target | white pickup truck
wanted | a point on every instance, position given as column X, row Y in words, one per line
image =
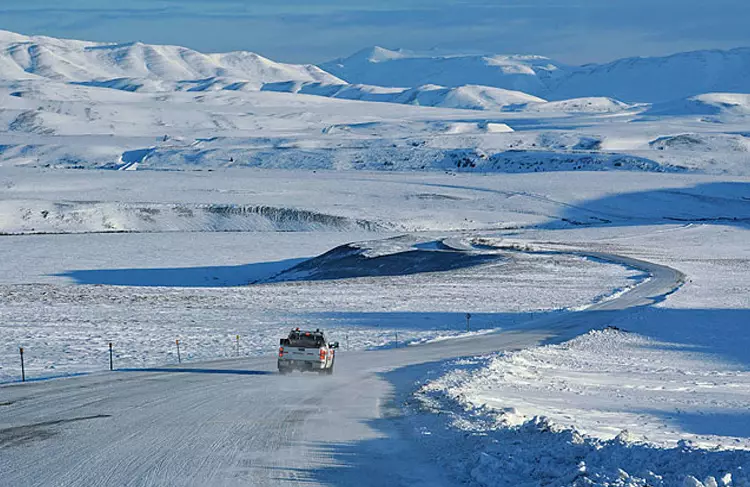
column 306, row 351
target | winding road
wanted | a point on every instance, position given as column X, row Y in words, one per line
column 237, row 422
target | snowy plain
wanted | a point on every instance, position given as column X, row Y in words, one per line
column 151, row 193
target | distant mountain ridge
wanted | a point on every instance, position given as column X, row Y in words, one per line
column 647, row 79
column 478, row 82
column 132, row 65
column 383, row 67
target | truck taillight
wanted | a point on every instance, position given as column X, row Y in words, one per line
column 322, row 354
column 281, row 351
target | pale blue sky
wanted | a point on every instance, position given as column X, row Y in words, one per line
column 573, row 31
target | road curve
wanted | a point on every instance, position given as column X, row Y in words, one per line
column 237, row 422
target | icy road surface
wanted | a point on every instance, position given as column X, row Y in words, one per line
column 237, row 422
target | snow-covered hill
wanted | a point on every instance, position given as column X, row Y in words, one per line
column 134, row 66
column 471, row 97
column 73, row 104
column 657, row 79
column 709, row 104
column 383, row 67
column 580, row 105
column 479, row 82
column 653, row 79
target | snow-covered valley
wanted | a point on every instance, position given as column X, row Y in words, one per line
column 153, row 193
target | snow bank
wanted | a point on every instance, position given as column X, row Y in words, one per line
column 608, row 381
column 604, row 409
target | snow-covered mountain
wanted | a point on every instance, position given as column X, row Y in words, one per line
column 709, row 104
column 136, row 66
column 461, row 81
column 659, row 79
column 383, row 67
column 471, row 97
column 654, row 79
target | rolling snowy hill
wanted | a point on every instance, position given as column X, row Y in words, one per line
column 74, row 104
column 658, row 79
column 135, row 66
column 708, row 104
column 654, row 79
column 462, row 81
column 471, row 97
column 383, row 67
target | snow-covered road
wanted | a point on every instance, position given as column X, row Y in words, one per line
column 236, row 422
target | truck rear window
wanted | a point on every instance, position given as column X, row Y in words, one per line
column 306, row 342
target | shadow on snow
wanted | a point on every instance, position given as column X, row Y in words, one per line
column 216, row 276
column 724, row 203
column 171, row 370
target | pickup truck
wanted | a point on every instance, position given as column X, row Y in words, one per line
column 306, row 351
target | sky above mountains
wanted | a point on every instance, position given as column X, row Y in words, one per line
column 572, row 31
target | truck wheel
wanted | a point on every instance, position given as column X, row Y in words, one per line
column 329, row 371
column 283, row 371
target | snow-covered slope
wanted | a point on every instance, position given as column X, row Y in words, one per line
column 654, row 79
column 380, row 66
column 470, row 97
column 712, row 104
column 134, row 66
column 657, row 79
column 579, row 105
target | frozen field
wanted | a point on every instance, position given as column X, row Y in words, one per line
column 151, row 193
column 65, row 327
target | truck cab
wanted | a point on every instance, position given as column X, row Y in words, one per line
column 306, row 350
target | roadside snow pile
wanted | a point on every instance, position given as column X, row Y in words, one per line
column 607, row 408
column 608, row 381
